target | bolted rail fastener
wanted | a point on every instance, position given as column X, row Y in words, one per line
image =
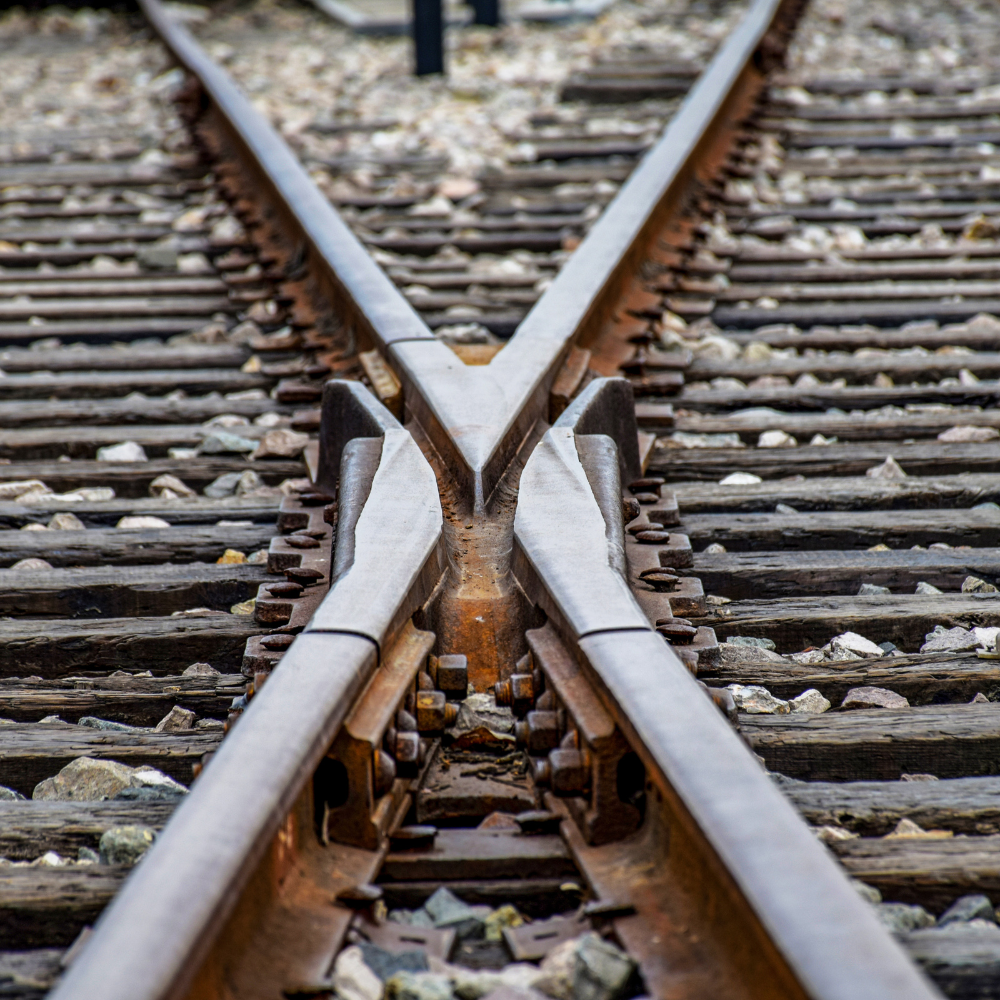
column 517, row 692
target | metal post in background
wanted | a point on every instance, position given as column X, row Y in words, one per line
column 487, row 12
column 428, row 36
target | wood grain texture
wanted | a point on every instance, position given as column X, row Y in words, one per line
column 126, row 412
column 919, row 459
column 949, row 741
column 50, row 906
column 77, row 385
column 922, row 678
column 136, row 701
column 823, row 397
column 30, row 752
column 14, row 359
column 103, row 547
column 904, row 619
column 842, row 529
column 71, row 647
column 29, row 829
column 38, row 443
column 853, row 493
column 119, row 591
column 932, row 873
column 963, row 961
column 870, row 426
column 132, row 479
column 874, row 808
column 901, row 367
column 107, row 513
column 762, row 574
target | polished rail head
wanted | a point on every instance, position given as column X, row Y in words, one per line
column 398, row 551
column 149, row 942
column 388, row 314
column 827, row 937
column 477, row 418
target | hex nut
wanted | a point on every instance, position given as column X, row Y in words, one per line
column 542, row 732
column 430, row 711
column 451, row 674
column 383, row 773
column 570, row 771
column 518, row 692
column 408, row 754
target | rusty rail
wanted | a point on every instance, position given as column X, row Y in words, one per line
column 240, row 862
column 726, row 820
column 245, row 814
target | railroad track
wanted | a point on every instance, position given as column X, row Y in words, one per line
column 474, row 655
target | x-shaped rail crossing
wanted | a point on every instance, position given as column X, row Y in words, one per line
column 534, row 510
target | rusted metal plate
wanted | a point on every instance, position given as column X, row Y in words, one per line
column 465, row 786
column 483, row 854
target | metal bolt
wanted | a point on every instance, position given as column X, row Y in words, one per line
column 570, row 771
column 540, row 732
column 408, row 754
column 546, row 702
column 518, row 691
column 661, row 580
column 651, row 536
column 649, row 525
column 383, row 773
column 543, row 772
column 431, row 711
column 278, row 641
column 301, row 542
column 679, row 631
column 450, row 674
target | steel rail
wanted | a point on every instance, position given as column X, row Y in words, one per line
column 513, row 388
column 155, row 937
column 357, row 284
column 478, row 416
column 715, row 796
